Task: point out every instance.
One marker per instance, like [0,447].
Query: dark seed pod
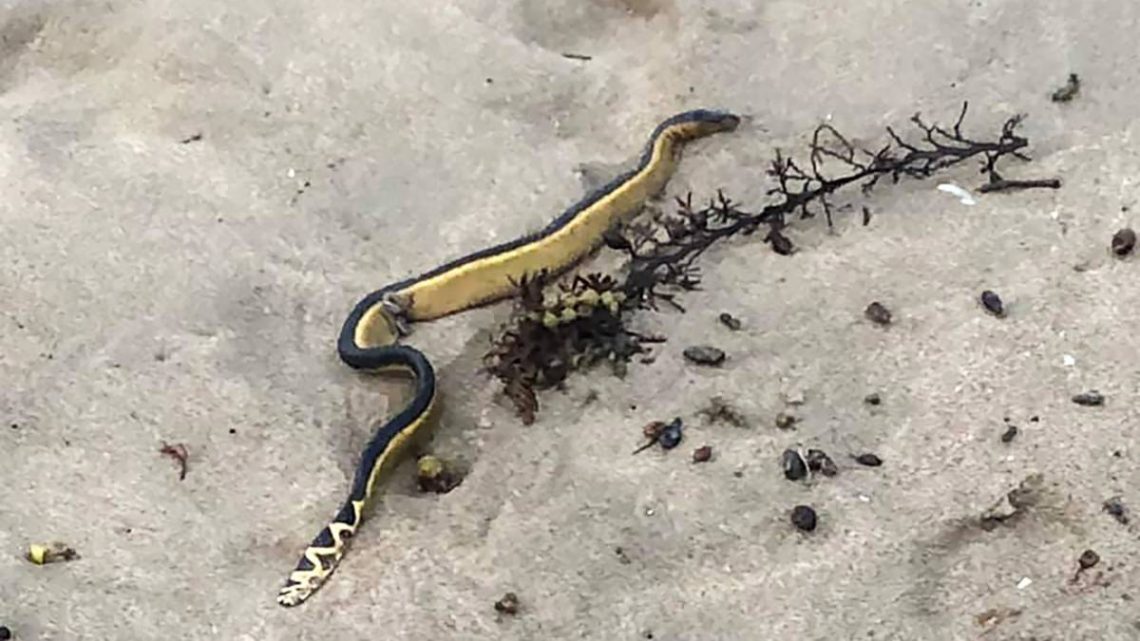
[781,244]
[868,459]
[509,604]
[704,354]
[730,321]
[671,436]
[1115,508]
[702,454]
[992,303]
[819,461]
[877,313]
[794,466]
[804,518]
[1091,398]
[1123,242]
[1088,559]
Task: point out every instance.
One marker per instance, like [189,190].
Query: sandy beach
[196,193]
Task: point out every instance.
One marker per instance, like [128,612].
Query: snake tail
[324,554]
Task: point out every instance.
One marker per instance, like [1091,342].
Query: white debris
[962,194]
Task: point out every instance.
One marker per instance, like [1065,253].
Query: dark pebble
[509,604]
[730,321]
[702,454]
[1091,398]
[992,303]
[1009,434]
[5,633]
[785,421]
[781,244]
[793,464]
[803,517]
[1088,559]
[1115,507]
[704,355]
[1069,91]
[868,459]
[873,399]
[671,434]
[878,314]
[819,461]
[1123,242]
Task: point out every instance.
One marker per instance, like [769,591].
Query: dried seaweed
[587,322]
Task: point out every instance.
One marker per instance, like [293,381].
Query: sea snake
[369,336]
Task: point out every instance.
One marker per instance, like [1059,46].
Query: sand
[197,192]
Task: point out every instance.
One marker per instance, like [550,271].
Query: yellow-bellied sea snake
[370,333]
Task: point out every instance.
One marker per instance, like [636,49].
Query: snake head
[384,323]
[396,310]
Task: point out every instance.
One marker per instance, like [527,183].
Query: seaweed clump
[587,321]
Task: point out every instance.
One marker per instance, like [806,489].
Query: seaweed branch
[587,322]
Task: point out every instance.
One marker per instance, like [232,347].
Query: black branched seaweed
[587,321]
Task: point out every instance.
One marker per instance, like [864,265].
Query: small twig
[177,452]
[1002,184]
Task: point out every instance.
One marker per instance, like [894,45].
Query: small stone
[1009,434]
[622,557]
[5,633]
[704,354]
[730,321]
[992,303]
[868,459]
[1123,242]
[873,399]
[794,466]
[878,314]
[1115,507]
[804,518]
[671,435]
[819,461]
[785,421]
[1091,398]
[509,604]
[1088,559]
[702,454]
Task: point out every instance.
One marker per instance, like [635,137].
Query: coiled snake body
[368,338]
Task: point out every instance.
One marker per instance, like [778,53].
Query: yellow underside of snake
[369,336]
